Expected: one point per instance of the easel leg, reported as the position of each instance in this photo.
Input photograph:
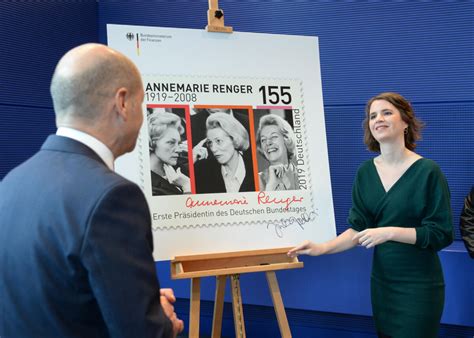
(237, 307)
(278, 304)
(194, 311)
(218, 306)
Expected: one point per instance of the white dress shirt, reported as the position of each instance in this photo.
(98, 147)
(234, 181)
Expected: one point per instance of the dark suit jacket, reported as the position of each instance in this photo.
(209, 175)
(76, 250)
(467, 223)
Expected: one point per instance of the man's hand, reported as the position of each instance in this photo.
(167, 299)
(168, 293)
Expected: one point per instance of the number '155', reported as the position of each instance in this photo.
(275, 94)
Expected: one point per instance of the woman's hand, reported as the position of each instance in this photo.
(200, 151)
(182, 181)
(307, 248)
(278, 170)
(178, 178)
(275, 173)
(373, 236)
(182, 147)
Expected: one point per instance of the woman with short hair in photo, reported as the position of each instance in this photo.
(230, 168)
(165, 130)
(277, 143)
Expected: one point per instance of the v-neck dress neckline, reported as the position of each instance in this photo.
(401, 178)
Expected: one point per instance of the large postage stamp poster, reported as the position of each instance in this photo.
(232, 153)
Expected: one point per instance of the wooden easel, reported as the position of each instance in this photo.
(215, 18)
(232, 264)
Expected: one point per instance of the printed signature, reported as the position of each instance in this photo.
(264, 198)
(284, 223)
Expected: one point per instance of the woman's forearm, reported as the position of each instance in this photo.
(341, 243)
(403, 235)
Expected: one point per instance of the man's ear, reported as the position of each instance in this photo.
(121, 102)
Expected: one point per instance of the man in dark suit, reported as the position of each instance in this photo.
(75, 238)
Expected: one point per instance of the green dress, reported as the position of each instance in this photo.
(407, 284)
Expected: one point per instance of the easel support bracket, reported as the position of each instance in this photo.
(215, 19)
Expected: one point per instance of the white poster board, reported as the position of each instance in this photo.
(191, 74)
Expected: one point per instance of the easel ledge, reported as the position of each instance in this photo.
(229, 263)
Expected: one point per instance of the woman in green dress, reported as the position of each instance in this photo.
(401, 207)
